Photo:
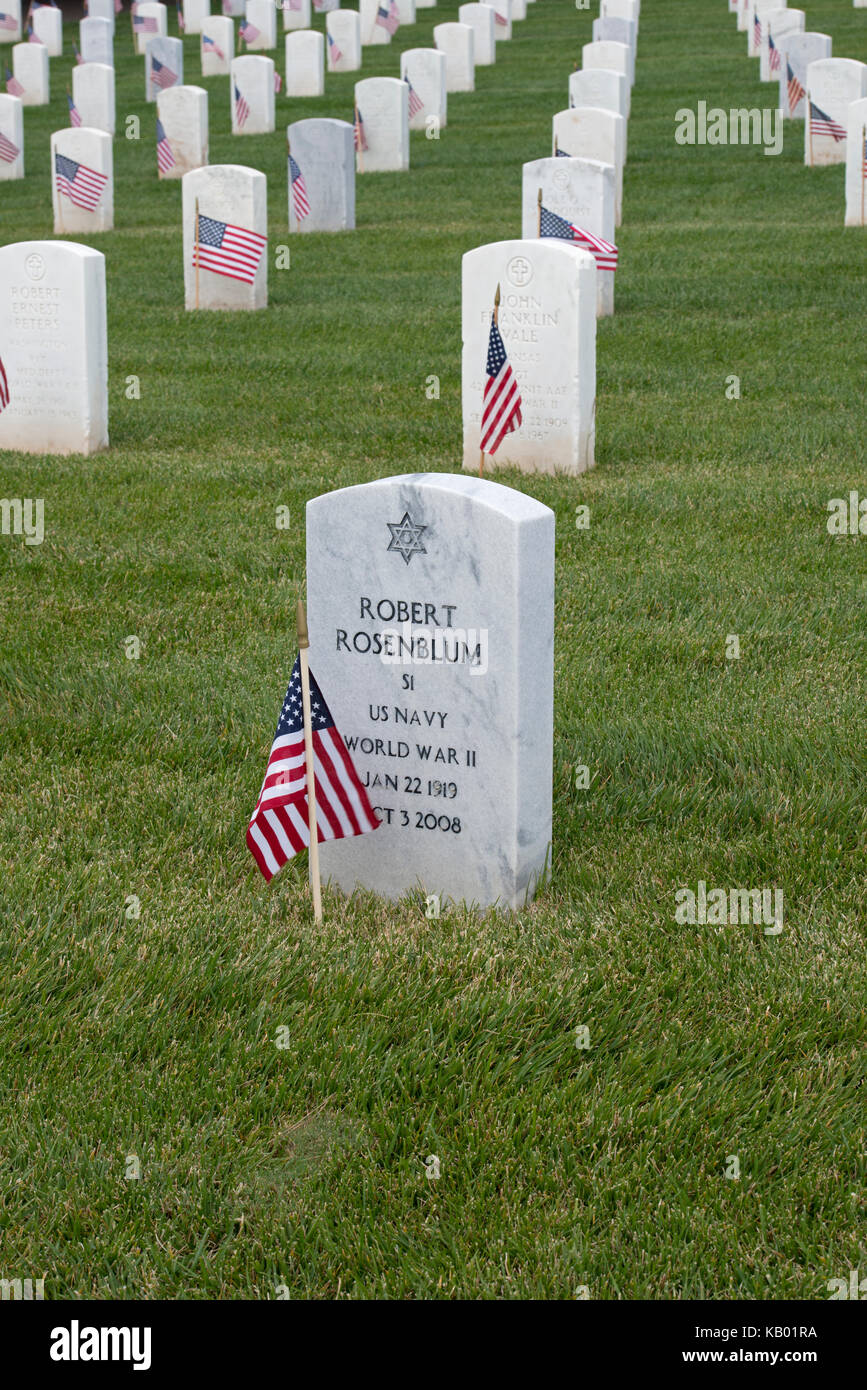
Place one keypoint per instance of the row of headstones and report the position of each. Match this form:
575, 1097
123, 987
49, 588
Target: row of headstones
829, 94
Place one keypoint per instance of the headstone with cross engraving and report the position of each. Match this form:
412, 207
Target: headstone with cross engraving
430, 605
575, 193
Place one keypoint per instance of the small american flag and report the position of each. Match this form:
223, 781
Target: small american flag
74, 113
78, 57
4, 387
562, 154
605, 251
501, 18
82, 186
795, 90
300, 203
360, 137
501, 410
228, 250
33, 37
144, 24
182, 23
210, 46
118, 6
415, 102
13, 86
388, 19
9, 152
8, 21
822, 124
334, 53
773, 55
242, 109
165, 157
162, 75
757, 31
249, 33
279, 827
278, 82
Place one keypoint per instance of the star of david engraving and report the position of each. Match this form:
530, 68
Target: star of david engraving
406, 537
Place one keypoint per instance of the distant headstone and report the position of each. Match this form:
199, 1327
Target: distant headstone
456, 41
101, 9
601, 87
605, 53
406, 11
150, 21
799, 51
373, 29
758, 9
30, 68
343, 34
588, 132
12, 33
581, 192
547, 320
95, 41
621, 9
383, 107
519, 10
11, 138
323, 150
325, 6
305, 63
195, 12
609, 30
183, 114
425, 71
233, 9
503, 23
260, 32
431, 615
48, 26
82, 181
232, 271
217, 45
832, 85
53, 331
296, 14
252, 95
164, 66
856, 182
93, 95
425, 4
778, 25
482, 20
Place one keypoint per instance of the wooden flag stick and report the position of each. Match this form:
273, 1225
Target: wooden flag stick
862, 153
197, 253
809, 114
556, 145
360, 151
303, 644
539, 215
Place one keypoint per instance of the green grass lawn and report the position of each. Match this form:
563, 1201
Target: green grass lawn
303, 1165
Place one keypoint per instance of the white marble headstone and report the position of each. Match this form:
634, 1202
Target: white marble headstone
601, 87
183, 112
799, 51
503, 24
305, 63
519, 10
588, 132
778, 25
55, 353
617, 57
95, 41
617, 31
371, 31
101, 9
85, 174
195, 11
482, 20
164, 66
324, 151
93, 94
383, 104
296, 14
425, 69
456, 41
233, 9
148, 14
856, 183
12, 8
252, 78
12, 130
262, 15
48, 26
621, 9
237, 197
431, 614
832, 85
343, 41
217, 45
547, 320
30, 68
582, 192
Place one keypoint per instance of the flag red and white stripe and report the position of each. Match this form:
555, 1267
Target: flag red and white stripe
501, 406
4, 387
228, 250
9, 152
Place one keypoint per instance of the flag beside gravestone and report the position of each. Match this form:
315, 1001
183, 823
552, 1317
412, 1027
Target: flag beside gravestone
53, 331
799, 51
30, 70
547, 323
577, 198
779, 25
95, 39
10, 21
424, 70
225, 212
587, 132
482, 20
251, 92
305, 63
82, 181
323, 151
164, 66
856, 165
217, 45
183, 115
502, 19
343, 35
456, 42
93, 95
11, 137
832, 85
430, 604
150, 21
258, 30
378, 22
382, 104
